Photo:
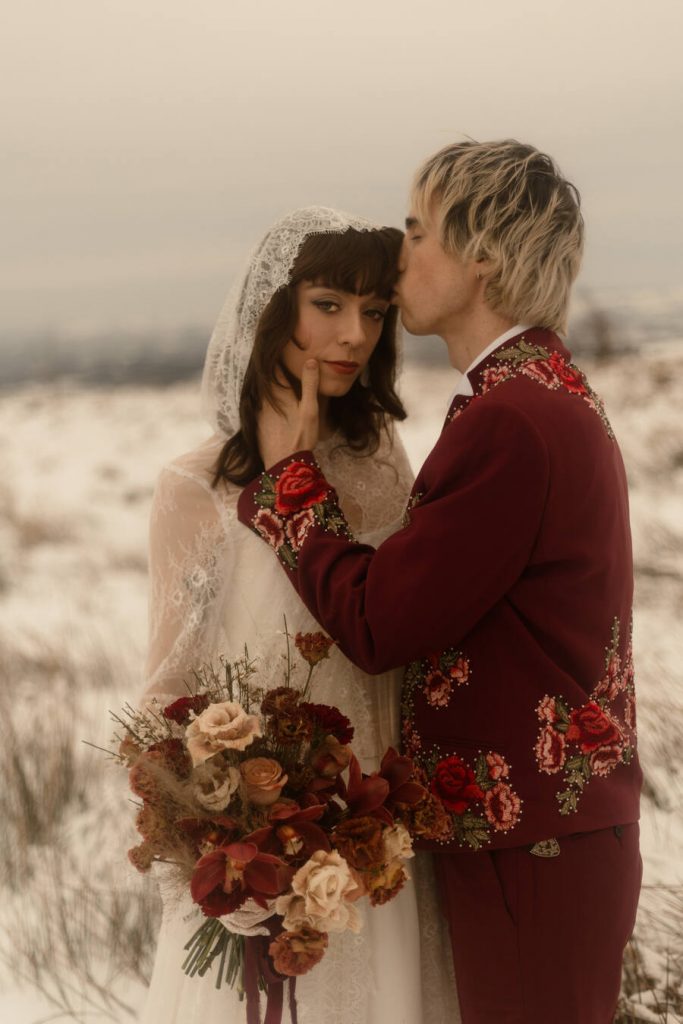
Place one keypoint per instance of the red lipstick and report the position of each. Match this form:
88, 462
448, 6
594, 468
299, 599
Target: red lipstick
341, 366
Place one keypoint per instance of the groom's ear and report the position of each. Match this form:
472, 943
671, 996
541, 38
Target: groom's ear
482, 268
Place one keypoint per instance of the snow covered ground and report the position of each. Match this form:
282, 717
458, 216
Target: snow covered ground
77, 469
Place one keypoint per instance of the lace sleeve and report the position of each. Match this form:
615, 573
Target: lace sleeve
188, 552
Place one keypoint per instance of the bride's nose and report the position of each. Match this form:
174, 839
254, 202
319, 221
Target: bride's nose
352, 330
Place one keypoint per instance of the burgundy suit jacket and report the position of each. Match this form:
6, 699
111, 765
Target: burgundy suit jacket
507, 594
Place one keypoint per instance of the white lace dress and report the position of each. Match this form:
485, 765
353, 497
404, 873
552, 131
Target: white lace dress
214, 587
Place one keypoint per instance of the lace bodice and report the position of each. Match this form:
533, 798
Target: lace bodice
205, 567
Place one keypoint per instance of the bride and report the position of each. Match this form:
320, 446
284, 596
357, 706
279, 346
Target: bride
318, 284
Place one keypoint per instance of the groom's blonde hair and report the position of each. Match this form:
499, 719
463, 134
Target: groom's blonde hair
507, 203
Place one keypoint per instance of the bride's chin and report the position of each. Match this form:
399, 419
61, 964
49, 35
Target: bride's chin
335, 389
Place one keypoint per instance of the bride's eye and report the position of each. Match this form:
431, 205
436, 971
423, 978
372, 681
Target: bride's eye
376, 314
326, 305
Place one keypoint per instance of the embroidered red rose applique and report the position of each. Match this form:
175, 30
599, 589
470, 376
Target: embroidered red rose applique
480, 799
300, 485
291, 504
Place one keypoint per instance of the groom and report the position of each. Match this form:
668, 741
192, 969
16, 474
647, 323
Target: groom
507, 595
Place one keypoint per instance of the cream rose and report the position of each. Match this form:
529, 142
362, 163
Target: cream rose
224, 726
214, 784
264, 780
397, 843
321, 894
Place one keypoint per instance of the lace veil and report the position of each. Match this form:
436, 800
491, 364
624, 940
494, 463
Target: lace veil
268, 269
194, 533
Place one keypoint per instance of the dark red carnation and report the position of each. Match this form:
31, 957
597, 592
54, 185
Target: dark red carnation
591, 727
330, 720
280, 699
179, 710
455, 785
174, 756
313, 647
300, 486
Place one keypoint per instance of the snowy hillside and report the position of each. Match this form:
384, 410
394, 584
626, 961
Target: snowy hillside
77, 468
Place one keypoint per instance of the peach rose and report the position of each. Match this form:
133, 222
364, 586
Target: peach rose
224, 726
214, 784
264, 780
322, 891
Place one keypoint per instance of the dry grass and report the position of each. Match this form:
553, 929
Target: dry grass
32, 528
86, 946
652, 988
43, 782
78, 925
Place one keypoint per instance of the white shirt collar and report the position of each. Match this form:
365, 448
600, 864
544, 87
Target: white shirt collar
464, 387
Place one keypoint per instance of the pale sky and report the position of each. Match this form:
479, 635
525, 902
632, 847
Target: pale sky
146, 144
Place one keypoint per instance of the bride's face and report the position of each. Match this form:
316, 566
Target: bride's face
337, 328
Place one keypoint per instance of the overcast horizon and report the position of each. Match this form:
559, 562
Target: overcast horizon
147, 146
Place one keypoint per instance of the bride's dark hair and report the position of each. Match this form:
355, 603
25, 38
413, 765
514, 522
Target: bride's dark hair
360, 262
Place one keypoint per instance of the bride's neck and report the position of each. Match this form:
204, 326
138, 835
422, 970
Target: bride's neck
326, 428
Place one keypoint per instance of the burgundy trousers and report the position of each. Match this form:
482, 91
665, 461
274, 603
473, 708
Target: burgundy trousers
540, 940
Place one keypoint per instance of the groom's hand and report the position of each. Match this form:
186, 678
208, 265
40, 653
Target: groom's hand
295, 426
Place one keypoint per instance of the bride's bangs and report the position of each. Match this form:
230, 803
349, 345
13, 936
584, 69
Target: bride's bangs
359, 262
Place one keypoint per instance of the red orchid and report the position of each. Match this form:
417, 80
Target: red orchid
289, 824
365, 794
397, 769
216, 831
225, 878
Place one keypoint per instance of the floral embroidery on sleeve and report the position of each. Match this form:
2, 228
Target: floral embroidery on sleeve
589, 740
291, 504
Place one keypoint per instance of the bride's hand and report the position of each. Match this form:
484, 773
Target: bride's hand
295, 426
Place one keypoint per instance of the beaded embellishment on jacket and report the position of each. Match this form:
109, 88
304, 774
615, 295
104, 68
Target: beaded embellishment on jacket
291, 504
544, 367
591, 740
438, 675
469, 802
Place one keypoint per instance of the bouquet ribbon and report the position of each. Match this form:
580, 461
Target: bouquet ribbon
257, 964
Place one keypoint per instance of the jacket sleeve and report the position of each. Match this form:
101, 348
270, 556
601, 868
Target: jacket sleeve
471, 530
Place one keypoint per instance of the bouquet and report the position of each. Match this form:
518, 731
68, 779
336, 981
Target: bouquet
254, 793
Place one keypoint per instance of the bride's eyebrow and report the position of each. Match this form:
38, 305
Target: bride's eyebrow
412, 222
